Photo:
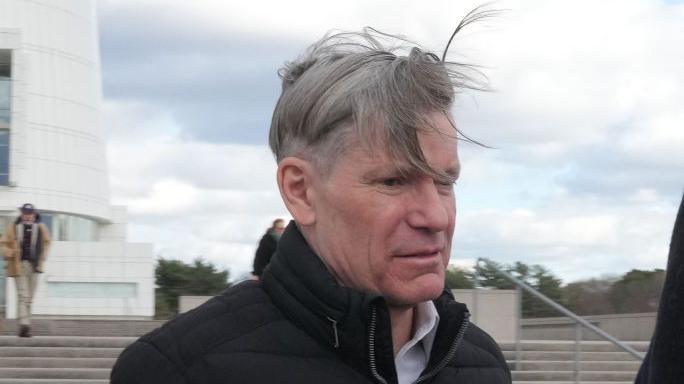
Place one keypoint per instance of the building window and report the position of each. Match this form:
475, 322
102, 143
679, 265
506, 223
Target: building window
5, 113
5, 87
5, 100
92, 290
62, 227
65, 227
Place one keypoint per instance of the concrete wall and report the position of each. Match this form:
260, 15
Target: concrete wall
115, 230
187, 303
93, 279
492, 310
628, 327
495, 311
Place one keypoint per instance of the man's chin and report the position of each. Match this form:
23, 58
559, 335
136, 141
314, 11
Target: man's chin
410, 297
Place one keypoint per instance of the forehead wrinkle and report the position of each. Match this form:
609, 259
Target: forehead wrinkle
384, 164
393, 156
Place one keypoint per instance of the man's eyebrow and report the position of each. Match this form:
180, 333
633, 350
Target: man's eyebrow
451, 172
386, 171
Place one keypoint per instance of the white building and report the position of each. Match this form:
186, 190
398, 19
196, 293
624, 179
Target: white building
52, 154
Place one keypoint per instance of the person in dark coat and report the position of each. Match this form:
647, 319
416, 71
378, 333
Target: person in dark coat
663, 363
267, 246
367, 160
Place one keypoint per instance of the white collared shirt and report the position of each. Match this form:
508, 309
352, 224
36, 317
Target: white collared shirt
413, 357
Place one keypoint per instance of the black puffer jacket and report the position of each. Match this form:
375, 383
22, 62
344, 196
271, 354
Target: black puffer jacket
298, 326
663, 364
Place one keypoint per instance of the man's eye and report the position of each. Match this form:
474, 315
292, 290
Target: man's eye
392, 182
447, 184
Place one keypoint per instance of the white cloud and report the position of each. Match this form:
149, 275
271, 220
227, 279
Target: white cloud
191, 198
658, 140
571, 75
575, 237
167, 197
586, 119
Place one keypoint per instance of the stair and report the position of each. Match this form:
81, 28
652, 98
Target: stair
552, 362
83, 327
89, 359
59, 359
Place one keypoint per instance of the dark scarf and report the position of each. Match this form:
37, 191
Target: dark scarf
35, 247
664, 363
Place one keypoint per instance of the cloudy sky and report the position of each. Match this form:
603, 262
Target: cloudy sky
585, 118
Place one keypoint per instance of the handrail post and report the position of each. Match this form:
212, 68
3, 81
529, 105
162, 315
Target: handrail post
518, 333
578, 341
476, 296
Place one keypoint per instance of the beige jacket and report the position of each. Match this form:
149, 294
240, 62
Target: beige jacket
12, 251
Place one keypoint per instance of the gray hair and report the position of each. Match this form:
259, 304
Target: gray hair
371, 86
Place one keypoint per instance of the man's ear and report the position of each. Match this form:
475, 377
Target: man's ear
295, 181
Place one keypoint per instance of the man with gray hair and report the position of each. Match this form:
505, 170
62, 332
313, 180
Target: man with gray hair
367, 159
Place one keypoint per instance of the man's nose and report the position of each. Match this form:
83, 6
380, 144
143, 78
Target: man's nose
430, 210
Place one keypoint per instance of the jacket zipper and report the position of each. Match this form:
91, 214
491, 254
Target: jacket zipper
452, 350
371, 348
450, 354
335, 335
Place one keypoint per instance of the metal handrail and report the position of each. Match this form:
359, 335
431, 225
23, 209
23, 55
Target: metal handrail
579, 321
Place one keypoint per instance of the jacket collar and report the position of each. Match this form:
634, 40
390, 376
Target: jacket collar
301, 286
306, 292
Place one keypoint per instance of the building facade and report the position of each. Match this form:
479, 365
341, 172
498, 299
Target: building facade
52, 154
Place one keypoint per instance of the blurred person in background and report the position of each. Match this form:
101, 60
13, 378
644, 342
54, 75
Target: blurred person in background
26, 244
267, 247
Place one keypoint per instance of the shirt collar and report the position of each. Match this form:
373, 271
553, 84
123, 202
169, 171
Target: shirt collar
426, 320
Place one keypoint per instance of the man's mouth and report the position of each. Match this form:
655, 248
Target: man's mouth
422, 252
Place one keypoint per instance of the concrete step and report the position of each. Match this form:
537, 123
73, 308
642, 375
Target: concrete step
597, 366
88, 360
66, 341
569, 346
56, 362
570, 356
85, 327
55, 373
72, 352
572, 382
53, 381
550, 376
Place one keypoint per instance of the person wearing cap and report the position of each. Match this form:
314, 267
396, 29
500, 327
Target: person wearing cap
26, 243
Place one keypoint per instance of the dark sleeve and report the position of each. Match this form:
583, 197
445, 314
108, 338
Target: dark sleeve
498, 354
664, 361
143, 363
267, 246
642, 376
483, 340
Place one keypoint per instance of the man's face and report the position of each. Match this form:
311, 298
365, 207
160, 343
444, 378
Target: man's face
28, 217
384, 232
